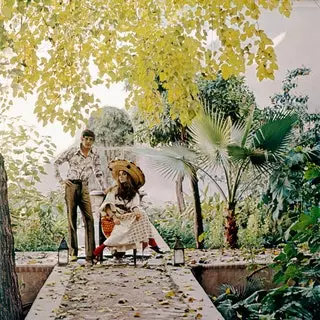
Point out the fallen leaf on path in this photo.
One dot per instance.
(32, 262)
(51, 284)
(170, 294)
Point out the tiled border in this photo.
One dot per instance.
(234, 265)
(34, 268)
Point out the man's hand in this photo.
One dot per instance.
(66, 183)
(105, 190)
(116, 221)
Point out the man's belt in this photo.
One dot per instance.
(76, 181)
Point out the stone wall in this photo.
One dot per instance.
(211, 277)
(31, 278)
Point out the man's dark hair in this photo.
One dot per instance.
(88, 133)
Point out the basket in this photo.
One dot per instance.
(107, 225)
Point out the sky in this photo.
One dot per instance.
(115, 96)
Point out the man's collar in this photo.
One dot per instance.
(92, 150)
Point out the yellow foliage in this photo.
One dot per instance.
(145, 43)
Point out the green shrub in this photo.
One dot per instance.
(169, 222)
(43, 228)
(213, 209)
(253, 221)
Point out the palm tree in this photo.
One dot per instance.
(235, 149)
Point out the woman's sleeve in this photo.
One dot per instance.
(135, 202)
(108, 201)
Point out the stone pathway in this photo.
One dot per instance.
(107, 291)
(153, 290)
(123, 292)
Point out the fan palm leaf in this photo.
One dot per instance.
(211, 134)
(272, 138)
(170, 161)
(174, 161)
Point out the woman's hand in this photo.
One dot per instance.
(116, 221)
(109, 212)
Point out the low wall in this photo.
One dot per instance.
(211, 277)
(31, 279)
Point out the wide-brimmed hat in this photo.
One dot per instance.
(130, 167)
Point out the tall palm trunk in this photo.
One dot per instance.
(231, 228)
(10, 299)
(179, 194)
(198, 221)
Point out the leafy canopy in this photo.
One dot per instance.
(112, 127)
(231, 96)
(54, 45)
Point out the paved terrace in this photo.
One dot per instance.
(152, 290)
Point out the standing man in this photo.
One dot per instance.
(83, 160)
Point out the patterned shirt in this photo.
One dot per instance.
(80, 166)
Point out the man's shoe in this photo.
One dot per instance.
(73, 258)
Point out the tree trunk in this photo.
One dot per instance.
(179, 193)
(231, 228)
(198, 222)
(10, 299)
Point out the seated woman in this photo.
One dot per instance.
(132, 227)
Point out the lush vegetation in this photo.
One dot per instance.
(38, 220)
(254, 223)
(282, 210)
(112, 127)
(60, 50)
(43, 227)
(297, 270)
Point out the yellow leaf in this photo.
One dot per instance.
(7, 12)
(170, 294)
(201, 237)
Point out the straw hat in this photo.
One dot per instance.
(131, 168)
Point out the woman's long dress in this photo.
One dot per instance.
(131, 232)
